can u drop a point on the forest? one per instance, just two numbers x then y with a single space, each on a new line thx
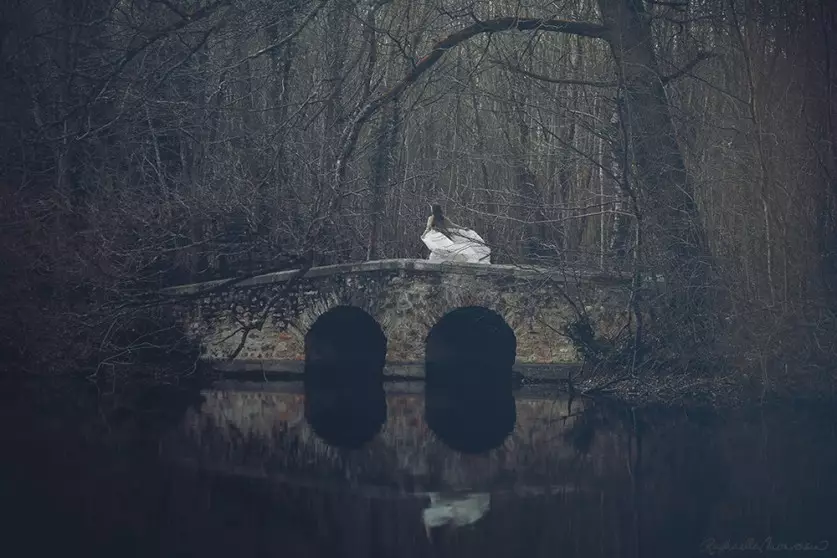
147 143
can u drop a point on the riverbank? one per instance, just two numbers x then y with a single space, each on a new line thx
733 388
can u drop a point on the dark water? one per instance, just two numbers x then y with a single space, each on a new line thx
247 475
460 465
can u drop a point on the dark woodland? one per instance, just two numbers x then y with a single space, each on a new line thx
687 145
156 142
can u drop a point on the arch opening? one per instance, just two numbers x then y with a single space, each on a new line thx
346 334
345 353
472 336
469 355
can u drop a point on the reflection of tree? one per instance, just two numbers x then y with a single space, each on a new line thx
680 478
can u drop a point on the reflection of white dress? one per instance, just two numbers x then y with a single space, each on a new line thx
465 246
456 510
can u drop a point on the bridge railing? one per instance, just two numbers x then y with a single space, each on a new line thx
560 274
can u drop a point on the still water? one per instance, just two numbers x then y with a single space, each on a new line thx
460 464
559 477
280 469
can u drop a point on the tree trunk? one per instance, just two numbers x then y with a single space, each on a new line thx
674 240
660 174
620 233
382 163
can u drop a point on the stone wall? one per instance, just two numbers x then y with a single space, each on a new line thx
406 297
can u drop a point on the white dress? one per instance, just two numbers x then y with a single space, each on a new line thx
465 245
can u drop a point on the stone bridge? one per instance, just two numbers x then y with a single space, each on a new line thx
406 297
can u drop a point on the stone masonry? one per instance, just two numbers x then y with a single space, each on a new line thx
406 297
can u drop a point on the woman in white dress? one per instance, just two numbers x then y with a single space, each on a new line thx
448 241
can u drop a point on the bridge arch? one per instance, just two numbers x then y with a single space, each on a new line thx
345 353
472 336
345 335
469 356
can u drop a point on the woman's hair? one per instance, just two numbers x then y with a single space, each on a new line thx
436 211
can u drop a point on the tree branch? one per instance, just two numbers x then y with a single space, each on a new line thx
278 44
352 131
665 79
677 6
689 67
133 51
258 324
559 81
174 8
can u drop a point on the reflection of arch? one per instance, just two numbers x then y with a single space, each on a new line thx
468 369
345 353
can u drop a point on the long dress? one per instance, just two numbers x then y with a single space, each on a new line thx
462 245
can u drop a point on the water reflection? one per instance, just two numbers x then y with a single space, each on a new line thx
468 370
246 475
345 352
456 511
467 467
463 468
586 478
469 417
